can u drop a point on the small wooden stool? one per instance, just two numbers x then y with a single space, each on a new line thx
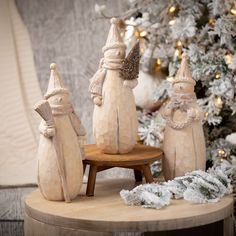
139 159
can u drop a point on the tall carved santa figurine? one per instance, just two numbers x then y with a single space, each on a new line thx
184 144
114 118
60 169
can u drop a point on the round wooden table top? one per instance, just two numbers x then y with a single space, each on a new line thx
141 154
107 212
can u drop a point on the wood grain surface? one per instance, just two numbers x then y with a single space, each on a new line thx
106 212
139 160
141 154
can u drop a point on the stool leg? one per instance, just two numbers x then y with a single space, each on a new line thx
84 167
147 173
138 175
91 180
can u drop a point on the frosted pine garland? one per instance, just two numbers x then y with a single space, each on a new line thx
147 195
196 187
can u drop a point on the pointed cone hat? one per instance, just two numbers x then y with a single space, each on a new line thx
55 85
184 74
114 39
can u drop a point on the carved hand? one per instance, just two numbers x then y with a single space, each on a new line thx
48 132
192 113
130 83
97 100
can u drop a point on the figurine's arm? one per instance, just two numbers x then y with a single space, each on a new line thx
82 142
166 111
77 124
79 130
199 113
96 84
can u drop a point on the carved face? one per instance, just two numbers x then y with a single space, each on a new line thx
59 99
115 53
183 87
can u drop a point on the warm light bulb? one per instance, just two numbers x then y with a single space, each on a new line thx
177 53
171 22
233 11
122 34
179 43
172 9
221 152
211 21
218 102
217 76
143 33
137 34
206 114
228 59
158 61
141 50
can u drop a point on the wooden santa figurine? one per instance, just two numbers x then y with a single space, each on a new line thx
184 144
114 118
60 152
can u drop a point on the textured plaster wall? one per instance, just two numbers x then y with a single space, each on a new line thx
68 32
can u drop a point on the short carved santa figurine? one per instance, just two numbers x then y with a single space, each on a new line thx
60 152
184 144
115 118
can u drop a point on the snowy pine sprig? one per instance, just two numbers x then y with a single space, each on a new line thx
147 195
196 187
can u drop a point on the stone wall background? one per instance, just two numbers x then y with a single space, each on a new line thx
69 33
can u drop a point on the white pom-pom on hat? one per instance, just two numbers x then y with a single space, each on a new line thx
114 20
53 66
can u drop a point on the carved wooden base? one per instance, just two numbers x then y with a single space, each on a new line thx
106 214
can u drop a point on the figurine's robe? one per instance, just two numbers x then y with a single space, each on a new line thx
115 121
48 174
184 149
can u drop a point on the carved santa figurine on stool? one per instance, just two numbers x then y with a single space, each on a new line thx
60 152
115 118
184 143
